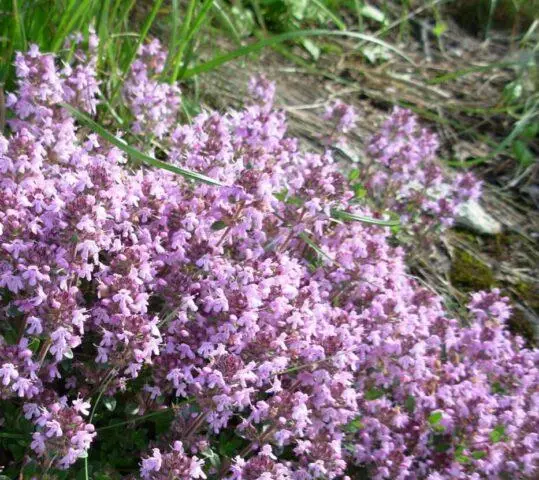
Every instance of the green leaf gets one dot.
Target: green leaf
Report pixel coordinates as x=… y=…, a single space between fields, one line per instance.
x=218 y=225
x=375 y=54
x=512 y=91
x=459 y=454
x=132 y=408
x=498 y=434
x=354 y=426
x=523 y=154
x=530 y=131
x=434 y=418
x=409 y=403
x=133 y=152
x=244 y=20
x=213 y=458
x=439 y=29
x=374 y=394
x=479 y=454
x=346 y=216
x=110 y=403
x=359 y=191
x=311 y=47
x=230 y=444
x=497 y=387
x=281 y=196
x=354 y=174
x=441 y=444
x=373 y=13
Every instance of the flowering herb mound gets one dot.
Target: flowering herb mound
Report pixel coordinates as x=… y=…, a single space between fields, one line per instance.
x=251 y=308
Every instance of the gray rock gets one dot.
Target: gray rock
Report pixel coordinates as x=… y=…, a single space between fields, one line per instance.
x=474 y=217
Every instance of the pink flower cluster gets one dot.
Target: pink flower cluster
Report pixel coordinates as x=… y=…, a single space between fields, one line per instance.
x=341 y=118
x=405 y=178
x=251 y=302
x=173 y=464
x=62 y=436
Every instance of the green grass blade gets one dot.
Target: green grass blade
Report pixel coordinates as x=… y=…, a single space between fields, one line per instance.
x=197 y=24
x=466 y=71
x=103 y=28
x=268 y=42
x=182 y=42
x=133 y=152
x=81 y=14
x=174 y=26
x=19 y=26
x=227 y=21
x=314 y=246
x=517 y=129
x=143 y=33
x=145 y=417
x=352 y=217
x=200 y=18
x=334 y=18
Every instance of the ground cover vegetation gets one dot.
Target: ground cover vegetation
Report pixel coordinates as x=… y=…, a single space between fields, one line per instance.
x=196 y=293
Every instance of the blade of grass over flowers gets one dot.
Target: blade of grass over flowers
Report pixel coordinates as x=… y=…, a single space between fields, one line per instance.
x=145 y=417
x=133 y=152
x=352 y=217
x=268 y=42
x=314 y=246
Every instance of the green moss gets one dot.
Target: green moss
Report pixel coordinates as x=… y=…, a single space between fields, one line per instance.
x=470 y=274
x=529 y=293
x=519 y=324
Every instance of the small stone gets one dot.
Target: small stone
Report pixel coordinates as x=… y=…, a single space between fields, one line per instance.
x=474 y=217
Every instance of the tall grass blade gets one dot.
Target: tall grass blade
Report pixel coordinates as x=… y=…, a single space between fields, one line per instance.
x=133 y=152
x=315 y=247
x=182 y=42
x=81 y=14
x=199 y=19
x=334 y=18
x=174 y=26
x=143 y=33
x=352 y=217
x=268 y=42
x=226 y=21
x=19 y=26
